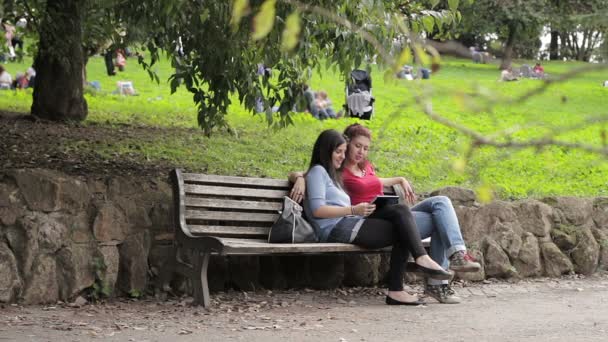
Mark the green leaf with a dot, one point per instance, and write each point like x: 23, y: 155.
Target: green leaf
x: 240, y: 8
x: 389, y: 76
x: 204, y: 16
x: 428, y: 23
x: 453, y: 4
x: 264, y: 20
x: 421, y: 55
x: 485, y: 193
x: 434, y: 3
x: 291, y: 32
x: 405, y: 57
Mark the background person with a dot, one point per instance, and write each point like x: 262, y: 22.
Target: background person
x: 507, y: 75
x: 6, y: 80
x: 323, y: 103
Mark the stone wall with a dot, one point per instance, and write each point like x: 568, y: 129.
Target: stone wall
x: 62, y: 236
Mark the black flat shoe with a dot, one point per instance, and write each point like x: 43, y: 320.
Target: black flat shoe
x: 435, y: 274
x: 391, y: 301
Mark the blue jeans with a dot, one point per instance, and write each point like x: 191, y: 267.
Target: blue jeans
x: 435, y: 217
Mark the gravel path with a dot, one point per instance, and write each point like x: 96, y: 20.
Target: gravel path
x: 573, y: 308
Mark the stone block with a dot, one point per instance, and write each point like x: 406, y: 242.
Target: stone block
x: 479, y: 223
x: 41, y: 283
x: 110, y: 223
x: 534, y: 216
x: 10, y: 281
x: 601, y: 236
x: 79, y: 225
x: 600, y: 212
x: 76, y: 266
x: 571, y: 210
x: 458, y: 196
x: 46, y: 190
x: 136, y: 213
x: 555, y: 262
x: 362, y: 270
x: 111, y: 261
x: 508, y: 236
x: 161, y: 216
x: 528, y: 262
x: 133, y: 265
x: 564, y: 236
x: 586, y: 253
x: 497, y: 262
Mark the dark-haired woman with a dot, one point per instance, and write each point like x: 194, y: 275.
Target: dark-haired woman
x: 338, y: 221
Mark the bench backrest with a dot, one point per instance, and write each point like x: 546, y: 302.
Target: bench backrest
x: 227, y: 206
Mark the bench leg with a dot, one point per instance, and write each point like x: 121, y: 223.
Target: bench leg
x: 199, y: 279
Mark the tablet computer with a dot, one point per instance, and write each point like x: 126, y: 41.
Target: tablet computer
x: 381, y: 201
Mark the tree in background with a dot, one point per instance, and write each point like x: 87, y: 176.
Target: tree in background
x: 516, y: 23
x: 58, y: 93
x: 577, y: 28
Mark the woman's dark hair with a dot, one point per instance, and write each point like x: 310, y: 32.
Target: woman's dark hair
x: 354, y: 130
x: 1, y: 69
x: 327, y: 142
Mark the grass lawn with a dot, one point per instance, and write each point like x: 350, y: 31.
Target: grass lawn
x: 406, y: 142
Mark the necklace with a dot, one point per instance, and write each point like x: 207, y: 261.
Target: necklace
x: 363, y: 173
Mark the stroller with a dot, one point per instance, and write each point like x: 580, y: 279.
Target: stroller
x: 359, y: 99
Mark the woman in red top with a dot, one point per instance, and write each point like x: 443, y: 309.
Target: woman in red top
x: 435, y: 216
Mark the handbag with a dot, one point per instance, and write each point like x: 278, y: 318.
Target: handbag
x: 291, y: 227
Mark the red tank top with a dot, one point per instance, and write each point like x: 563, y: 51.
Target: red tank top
x: 362, y: 189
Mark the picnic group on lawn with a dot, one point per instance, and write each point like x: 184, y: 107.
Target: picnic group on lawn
x: 337, y: 191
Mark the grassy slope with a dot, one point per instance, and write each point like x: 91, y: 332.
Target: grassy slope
x: 406, y: 142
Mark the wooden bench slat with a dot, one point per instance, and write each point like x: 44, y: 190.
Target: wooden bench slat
x: 233, y: 180
x: 232, y: 204
x: 229, y: 191
x: 230, y: 216
x: 229, y: 230
x: 258, y: 246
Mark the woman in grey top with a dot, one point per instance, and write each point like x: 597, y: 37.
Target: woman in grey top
x: 361, y: 225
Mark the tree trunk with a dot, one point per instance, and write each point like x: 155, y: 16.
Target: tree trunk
x: 554, y: 46
x: 508, y: 52
x: 58, y: 92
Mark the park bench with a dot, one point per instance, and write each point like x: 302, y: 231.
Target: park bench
x: 226, y: 215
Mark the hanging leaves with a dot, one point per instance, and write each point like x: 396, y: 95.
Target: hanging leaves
x: 291, y: 33
x: 421, y: 55
x: 240, y: 8
x: 485, y: 193
x: 429, y: 23
x: 405, y: 57
x: 264, y: 20
x: 453, y: 4
x: 435, y: 59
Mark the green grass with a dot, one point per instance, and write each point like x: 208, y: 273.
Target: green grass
x: 406, y: 142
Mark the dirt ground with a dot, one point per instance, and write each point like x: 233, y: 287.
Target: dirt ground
x: 572, y: 308
x: 29, y: 143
